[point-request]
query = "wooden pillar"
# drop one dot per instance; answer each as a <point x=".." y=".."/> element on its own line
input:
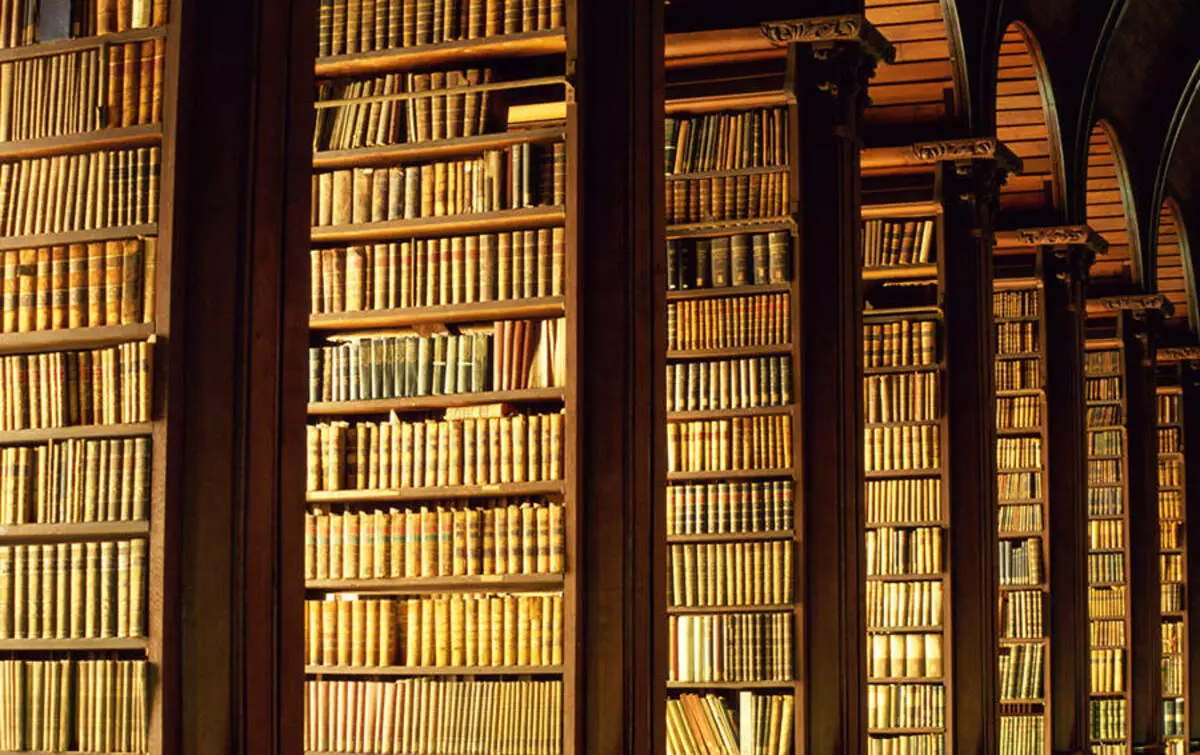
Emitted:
<point x="1191" y="462"/>
<point x="971" y="179"/>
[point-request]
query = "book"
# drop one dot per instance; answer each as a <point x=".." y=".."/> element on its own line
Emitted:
<point x="732" y="322"/>
<point x="763" y="442"/>
<point x="730" y="574"/>
<point x="730" y="507"/>
<point x="730" y="647"/>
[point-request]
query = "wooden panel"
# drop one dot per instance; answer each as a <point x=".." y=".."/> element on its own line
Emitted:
<point x="1025" y="121"/>
<point x="1173" y="275"/>
<point x="919" y="31"/>
<point x="1106" y="210"/>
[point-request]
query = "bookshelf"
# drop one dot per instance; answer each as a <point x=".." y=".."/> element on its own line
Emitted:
<point x="1173" y="557"/>
<point x="442" y="529"/>
<point x="87" y="129"/>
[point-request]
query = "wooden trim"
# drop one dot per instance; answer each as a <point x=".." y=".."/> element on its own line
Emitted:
<point x="89" y="141"/>
<point x="52" y="533"/>
<point x="525" y="44"/>
<point x="73" y="338"/>
<point x="82" y="43"/>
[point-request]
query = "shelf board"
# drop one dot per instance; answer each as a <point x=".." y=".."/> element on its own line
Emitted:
<point x="1016" y="318"/>
<point x="78" y="237"/>
<point x="913" y="730"/>
<point x="1015" y="355"/>
<point x="1023" y="701"/>
<point x="440" y="225"/>
<point x="551" y="487"/>
<point x="690" y="610"/>
<point x="520" y="45"/>
<point x="906" y="524"/>
<point x="1018" y="470"/>
<point x="903" y="473"/>
<point x="50" y="533"/>
<point x="108" y="138"/>
<point x="1040" y="586"/>
<point x="80" y="43"/>
<point x="1106" y="484"/>
<point x="1018" y="431"/>
<point x="420" y="585"/>
<point x="95" y="644"/>
<point x="733" y="537"/>
<point x="547" y="670"/>
<point x="712" y="292"/>
<point x="892" y="369"/>
<point x="1019" y="535"/>
<point x="1020" y="392"/>
<point x="906" y="680"/>
<point x="130" y="430"/>
<point x="752" y="171"/>
<point x="729" y="227"/>
<point x="900" y="272"/>
<point x="443" y="401"/>
<point x="907" y="577"/>
<point x="783" y="684"/>
<point x="731" y="352"/>
<point x="752" y="411"/>
<point x="904" y="423"/>
<point x="481" y="311"/>
<point x="1023" y="641"/>
<point x="73" y="338"/>
<point x="905" y="630"/>
<point x="731" y="474"/>
<point x="435" y="149"/>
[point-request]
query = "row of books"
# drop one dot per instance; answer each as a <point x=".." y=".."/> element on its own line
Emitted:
<point x="439" y="272"/>
<point x="434" y="453"/>
<point x="743" y="259"/>
<point x="1171" y="598"/>
<point x="504" y="536"/>
<point x="1100" y="361"/>
<point x="1016" y="337"/>
<point x="436" y="630"/>
<point x="1170" y="473"/>
<point x="901" y="397"/>
<point x="891" y="243"/>
<point x="904" y="447"/>
<point x="1104" y="471"/>
<point x="1016" y="304"/>
<point x="1017" y="453"/>
<point x="429" y="715"/>
<point x="904" y="500"/>
<point x="1170" y="504"/>
<point x="1170" y="535"/>
<point x="1105" y="443"/>
<point x="504" y="356"/>
<point x="347" y="27"/>
<point x="892" y="552"/>
<point x="1020" y="518"/>
<point x="73" y="590"/>
<point x="906" y="706"/>
<point x="514" y="177"/>
<point x="733" y="322"/>
<point x="74" y="481"/>
<point x="1018" y="374"/>
<point x="1022" y="614"/>
<point x="1022" y="735"/>
<point x="67" y="388"/>
<point x="1106" y="602"/>
<point x="1022" y="672"/>
<point x="1106" y="719"/>
<point x="1102" y="389"/>
<point x="723" y="198"/>
<point x="1172" y="675"/>
<point x="1173" y="638"/>
<point x="729" y="384"/>
<point x="913" y="656"/>
<point x="1107" y="670"/>
<point x="901" y="343"/>
<point x="1170" y="567"/>
<point x="1017" y="412"/>
<point x="899" y="605"/>
<point x="20" y="19"/>
<point x="81" y="91"/>
<point x="1106" y="632"/>
<point x="1106" y="567"/>
<point x="707" y="725"/>
<point x="77" y="286"/>
<point x="75" y="705"/>
<point x="1174" y="717"/>
<point x="1169" y="409"/>
<point x="730" y="507"/>
<point x="1169" y="440"/>
<point x="1020" y="562"/>
<point x="907" y="744"/>
<point x="1106" y="534"/>
<point x="1019" y="486"/>
<point x="1105" y="501"/>
<point x="730" y="574"/>
<point x="373" y="112"/>
<point x="726" y="141"/>
<point x="79" y="192"/>
<point x="730" y="647"/>
<point x="737" y="443"/>
<point x="1104" y="415"/>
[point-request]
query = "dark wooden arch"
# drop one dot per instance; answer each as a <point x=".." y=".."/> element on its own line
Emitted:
<point x="1112" y="212"/>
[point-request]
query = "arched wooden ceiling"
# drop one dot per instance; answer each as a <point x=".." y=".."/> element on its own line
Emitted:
<point x="1027" y="123"/>
<point x="1110" y="210"/>
<point x="924" y="86"/>
<point x="1173" y="272"/>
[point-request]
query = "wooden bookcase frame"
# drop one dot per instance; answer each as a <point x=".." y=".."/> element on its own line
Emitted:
<point x="1177" y="744"/>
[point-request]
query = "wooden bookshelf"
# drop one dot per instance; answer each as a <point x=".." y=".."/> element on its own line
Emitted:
<point x="1173" y="550"/>
<point x="442" y="304"/>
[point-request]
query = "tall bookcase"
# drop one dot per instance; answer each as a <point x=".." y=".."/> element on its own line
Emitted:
<point x="1173" y="557"/>
<point x="87" y="114"/>
<point x="443" y="382"/>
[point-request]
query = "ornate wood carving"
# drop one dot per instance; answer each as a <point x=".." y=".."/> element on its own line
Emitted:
<point x="1178" y="353"/>
<point x="823" y="30"/>
<point x="1140" y="305"/>
<point x="1059" y="235"/>
<point x="959" y="150"/>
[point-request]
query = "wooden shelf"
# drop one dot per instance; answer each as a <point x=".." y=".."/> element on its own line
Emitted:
<point x="906" y="679"/>
<point x="752" y="171"/>
<point x="732" y="685"/>
<point x="902" y="473"/>
<point x="1015" y="355"/>
<point x="443" y="401"/>
<point x="1020" y="392"/>
<point x="734" y="537"/>
<point x="905" y="630"/>
<point x="443" y="225"/>
<point x="88" y="141"/>
<point x="131" y="430"/>
<point x="521" y="45"/>
<point x="729" y="227"/>
<point x="891" y="370"/>
<point x="1018" y="431"/>
<point x="1023" y="641"/>
<point x="411" y="152"/>
<point x="730" y="474"/>
<point x="552" y="487"/>
<point x="684" y="294"/>
<point x="73" y="338"/>
<point x="900" y="272"/>
<point x="1019" y="470"/>
<point x="1023" y="701"/>
<point x="938" y="577"/>
<point x="692" y="610"/>
<point x="1017" y="318"/>
<point x="904" y="423"/>
<point x="753" y="411"/>
<point x="50" y="533"/>
<point x="732" y="352"/>
<point x="915" y="730"/>
<point x="78" y="237"/>
<point x="482" y="311"/>
<point x="1019" y="535"/>
<point x="420" y="585"/>
<point x="80" y="43"/>
<point x="905" y="524"/>
<point x="97" y="644"/>
<point x="548" y="670"/>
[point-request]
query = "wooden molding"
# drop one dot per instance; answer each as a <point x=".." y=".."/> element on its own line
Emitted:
<point x="829" y="29"/>
<point x="958" y="150"/>
<point x="1178" y="353"/>
<point x="1140" y="303"/>
<point x="1059" y="235"/>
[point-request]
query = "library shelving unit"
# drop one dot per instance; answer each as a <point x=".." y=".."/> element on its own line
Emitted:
<point x="442" y="523"/>
<point x="1173" y="557"/>
<point x="923" y="613"/>
<point x="86" y="163"/>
